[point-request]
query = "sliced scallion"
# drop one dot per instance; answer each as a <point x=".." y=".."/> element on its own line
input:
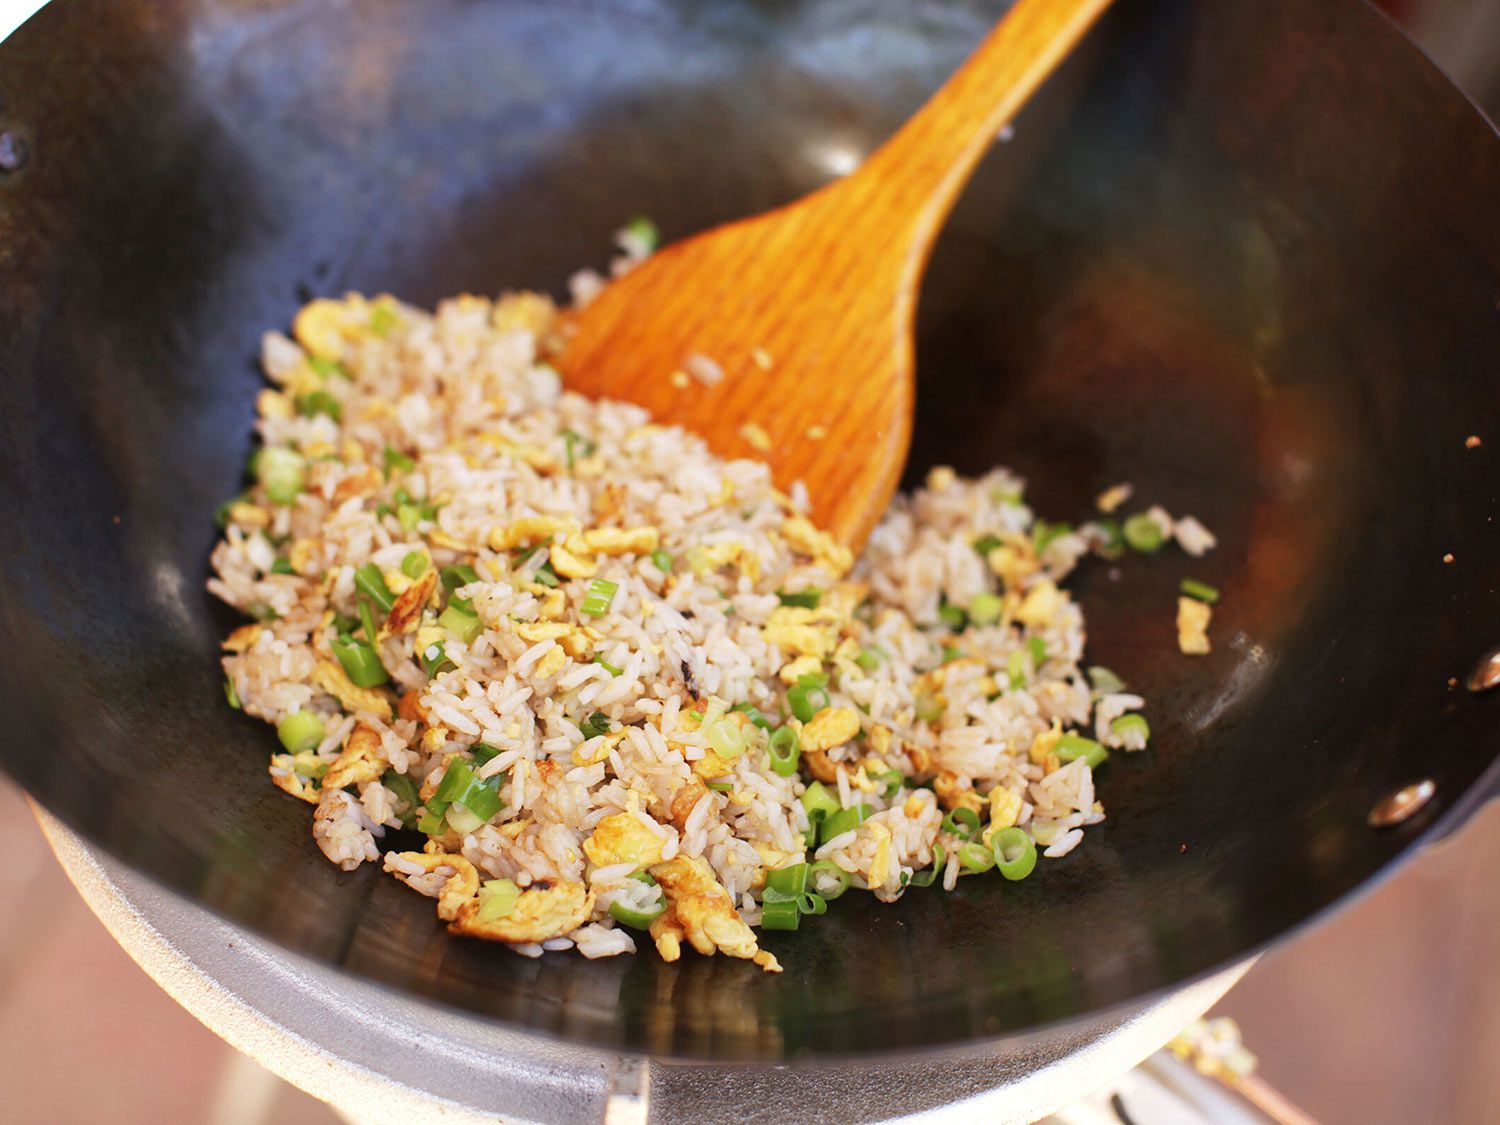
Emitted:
<point x="415" y="564"/>
<point x="818" y="802"/>
<point x="369" y="580"/>
<point x="1043" y="534"/>
<point x="383" y="321"/>
<point x="929" y="875"/>
<point x="299" y="731"/>
<point x="1142" y="533"/>
<point x="1127" y="725"/>
<point x="1015" y="853"/>
<point x="282" y="566"/>
<point x="975" y="857"/>
<point x="806" y="698"/>
<point x="780" y="915"/>
<point x="596" y="724"/>
<point x="1103" y="681"/>
<point x="753" y="714"/>
<point x="1200" y="591"/>
<point x="282" y="472"/>
<point x="845" y="820"/>
<point x="727" y="738"/>
<point x="231" y="696"/>
<point x="891" y="781"/>
<point x="314" y="403"/>
<point x="638" y="919"/>
<point x="784" y="750"/>
<point x="1071" y="746"/>
<point x="497" y="900"/>
<point x="360" y="661"/>
<point x="827" y="879"/>
<point x="803" y="599"/>
<point x="643" y="232"/>
<point x="612" y="669"/>
<point x="601" y="593"/>
<point x="869" y="657"/>
<point x="327" y="368"/>
<point x="662" y="561"/>
<point x="985" y="544"/>
<point x="952" y="616"/>
<point x="407" y="799"/>
<point x="961" y="822"/>
<point x="791" y="880"/>
<point x="985" y="609"/>
<point x="396" y="461"/>
<point x="462" y="622"/>
<point x="457" y="577"/>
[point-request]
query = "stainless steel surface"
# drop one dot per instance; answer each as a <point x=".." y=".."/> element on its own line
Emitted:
<point x="379" y="1057"/>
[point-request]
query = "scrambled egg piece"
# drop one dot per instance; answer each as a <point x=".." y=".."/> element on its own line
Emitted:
<point x="794" y="670"/>
<point x="407" y="610"/>
<point x="323" y="326"/>
<point x="707" y="558"/>
<point x="523" y="312"/>
<point x="530" y="530"/>
<point x="359" y="762"/>
<point x="360" y="482"/>
<point x="699" y="909"/>
<point x="830" y="727"/>
<point x="533" y="631"/>
<point x="712" y="765"/>
<point x="1005" y="809"/>
<point x="273" y="404"/>
<point x="249" y="515"/>
<point x="684" y="801"/>
<point x="550" y="664"/>
<point x="622" y="838"/>
<point x="242" y="639"/>
<point x="285" y="777"/>
<point x="409" y="706"/>
<point x="462" y="887"/>
<point x="1041" y="603"/>
<point x="802" y="535"/>
<point x="952" y="795"/>
<point x="1013" y="562"/>
<point x="621" y="541"/>
<point x="821" y="766"/>
<point x="1193" y="617"/>
<point x="546" y="909"/>
<point x="331" y="678"/>
<point x="808" y="632"/>
<point x="570" y="561"/>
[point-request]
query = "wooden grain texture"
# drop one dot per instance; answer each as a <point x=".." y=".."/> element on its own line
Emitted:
<point x="809" y="309"/>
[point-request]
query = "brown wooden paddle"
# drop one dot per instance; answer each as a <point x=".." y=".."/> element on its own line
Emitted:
<point x="808" y="310"/>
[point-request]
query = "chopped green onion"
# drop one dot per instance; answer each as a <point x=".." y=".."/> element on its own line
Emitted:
<point x="282" y="566"/>
<point x="976" y="857"/>
<point x="643" y="231"/>
<point x="638" y="919"/>
<point x="282" y="472"/>
<point x="779" y="915"/>
<point x="1114" y="537"/>
<point x="433" y="821"/>
<point x="596" y="724"/>
<point x="929" y="875"/>
<point x="299" y="731"/>
<point x="985" y="544"/>
<point x="325" y="368"/>
<point x="1103" y="681"/>
<point x="406" y="796"/>
<point x="221" y="513"/>
<point x="892" y="779"/>
<point x="1042" y="534"/>
<point x="435" y="659"/>
<point x="810" y="902"/>
<point x="1143" y="533"/>
<point x="951" y="653"/>
<point x="231" y="696"/>
<point x="785" y="749"/>
<point x="727" y="738"/>
<point x="544" y="575"/>
<point x="612" y="669"/>
<point x="367" y="621"/>
<point x="462" y="819"/>
<point x="845" y="820"/>
<point x="360" y="661"/>
<point x="788" y="880"/>
<point x="393" y="459"/>
<point x="1015" y="669"/>
<point x="1200" y="591"/>
<point x="314" y="403"/>
<point x="1038" y="648"/>
<point x="929" y="708"/>
<point x="985" y="609"/>
<point x="869" y="657"/>
<point x="262" y="612"/>
<point x="415" y="564"/>
<point x="462" y="623"/>
<point x="600" y="594"/>
<point x="383" y="321"/>
<point x="827" y="879"/>
<point x="952" y="616"/>
<point x="803" y="599"/>
<point x="1015" y="853"/>
<point x="662" y="561"/>
<point x="754" y="715"/>
<point x="1130" y="724"/>
<point x="720" y="786"/>
<point x="483" y="752"/>
<point x="818" y="802"/>
<point x="497" y="899"/>
<point x="369" y="580"/>
<point x="461" y="785"/>
<point x="342" y="624"/>
<point x="961" y="822"/>
<point x="522" y="555"/>
<point x="806" y="698"/>
<point x="1071" y="746"/>
<point x="408" y="516"/>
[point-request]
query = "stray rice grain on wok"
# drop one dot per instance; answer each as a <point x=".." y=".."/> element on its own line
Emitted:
<point x="625" y="689"/>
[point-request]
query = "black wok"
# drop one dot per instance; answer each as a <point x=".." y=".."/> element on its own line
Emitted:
<point x="1242" y="253"/>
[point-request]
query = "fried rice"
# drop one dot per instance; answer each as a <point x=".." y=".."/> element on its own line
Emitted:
<point x="591" y="637"/>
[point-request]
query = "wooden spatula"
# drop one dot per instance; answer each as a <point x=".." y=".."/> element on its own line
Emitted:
<point x="788" y="336"/>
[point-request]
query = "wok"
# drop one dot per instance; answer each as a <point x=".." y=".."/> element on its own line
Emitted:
<point x="1243" y="254"/>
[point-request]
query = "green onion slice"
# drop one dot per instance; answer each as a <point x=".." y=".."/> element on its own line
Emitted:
<point x="810" y="902"/>
<point x="827" y="879"/>
<point x="314" y="403"/>
<point x="755" y="716"/>
<point x="596" y="724"/>
<point x="845" y="820"/>
<point x="869" y="657"/>
<point x="975" y="857"/>
<point x="396" y="461"/>
<point x="779" y="915"/>
<point x="415" y="564"/>
<point x="368" y="580"/>
<point x="1015" y="853"/>
<point x="1128" y="724"/>
<point x="282" y="472"/>
<point x="961" y="822"/>
<point x="299" y="731"/>
<point x="600" y="594"/>
<point x="1103" y="681"/>
<point x="1142" y="533"/>
<point x="804" y="599"/>
<point x="806" y="698"/>
<point x="790" y="880"/>
<point x="727" y="738"/>
<point x="406" y="796"/>
<point x="1071" y="746"/>
<point x="818" y="802"/>
<point x="929" y="875"/>
<point x="1200" y="591"/>
<point x="497" y="899"/>
<point x="231" y="696"/>
<point x="785" y="750"/>
<point x="456" y="577"/>
<point x="662" y="561"/>
<point x="360" y="661"/>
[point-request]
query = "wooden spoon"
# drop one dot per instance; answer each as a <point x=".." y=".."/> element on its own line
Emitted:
<point x="808" y="310"/>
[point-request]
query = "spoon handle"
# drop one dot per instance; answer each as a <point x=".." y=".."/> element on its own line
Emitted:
<point x="920" y="171"/>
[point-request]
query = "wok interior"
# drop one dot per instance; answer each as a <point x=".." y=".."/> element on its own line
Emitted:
<point x="1241" y="255"/>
